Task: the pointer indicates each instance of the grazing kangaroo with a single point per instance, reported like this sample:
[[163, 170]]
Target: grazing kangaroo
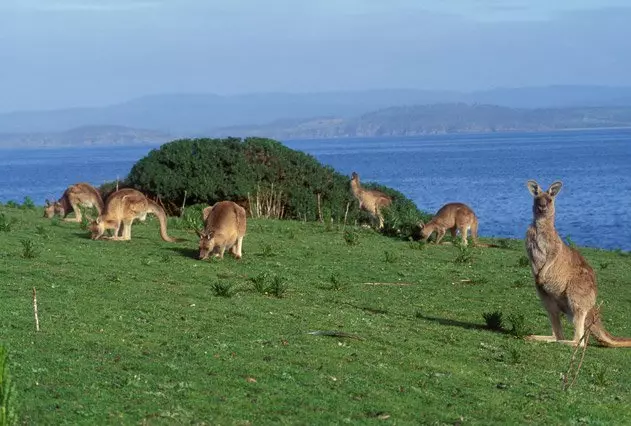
[[122, 207], [224, 228], [564, 280], [79, 194], [370, 200], [453, 217]]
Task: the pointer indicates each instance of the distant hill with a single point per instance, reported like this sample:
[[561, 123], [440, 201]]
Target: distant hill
[[84, 136], [197, 114], [439, 119]]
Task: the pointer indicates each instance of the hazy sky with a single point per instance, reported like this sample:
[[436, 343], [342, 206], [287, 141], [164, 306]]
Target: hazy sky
[[63, 53]]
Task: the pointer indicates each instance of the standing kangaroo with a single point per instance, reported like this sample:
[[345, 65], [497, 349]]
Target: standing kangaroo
[[122, 207], [79, 194], [370, 200], [224, 228], [564, 280], [455, 217]]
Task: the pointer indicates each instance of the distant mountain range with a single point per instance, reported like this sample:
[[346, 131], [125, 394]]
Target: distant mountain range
[[439, 119], [84, 136], [329, 114]]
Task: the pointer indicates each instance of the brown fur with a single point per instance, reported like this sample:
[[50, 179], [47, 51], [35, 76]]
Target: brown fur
[[564, 280], [453, 217], [370, 200], [224, 228], [79, 194], [121, 209]]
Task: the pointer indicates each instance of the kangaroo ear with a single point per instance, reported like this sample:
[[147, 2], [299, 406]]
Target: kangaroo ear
[[420, 224], [533, 187], [555, 188], [47, 202], [199, 233], [98, 220]]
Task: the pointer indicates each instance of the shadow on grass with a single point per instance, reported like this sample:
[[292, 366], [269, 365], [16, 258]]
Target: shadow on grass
[[83, 234], [186, 252], [461, 324]]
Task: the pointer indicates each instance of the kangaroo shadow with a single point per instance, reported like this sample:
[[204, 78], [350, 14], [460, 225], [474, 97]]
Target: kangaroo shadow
[[86, 235], [186, 252], [461, 324]]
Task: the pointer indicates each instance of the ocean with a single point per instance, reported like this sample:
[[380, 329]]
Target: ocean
[[486, 171]]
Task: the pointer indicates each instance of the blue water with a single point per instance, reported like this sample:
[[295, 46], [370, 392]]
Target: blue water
[[488, 172]]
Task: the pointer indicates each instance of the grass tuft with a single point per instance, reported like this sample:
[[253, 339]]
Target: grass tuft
[[351, 237], [493, 320], [390, 257], [29, 249], [523, 262], [223, 289], [278, 287]]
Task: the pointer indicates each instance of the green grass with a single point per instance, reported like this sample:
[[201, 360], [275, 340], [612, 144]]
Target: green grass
[[141, 332]]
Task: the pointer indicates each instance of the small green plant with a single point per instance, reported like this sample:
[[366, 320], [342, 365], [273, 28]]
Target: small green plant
[[165, 258], [514, 356], [278, 287], [223, 289], [493, 320], [465, 252], [523, 262], [6, 224], [604, 265], [267, 251], [517, 325], [390, 257], [55, 221], [115, 278], [42, 232], [479, 280], [600, 376], [260, 282], [336, 284], [418, 245], [504, 243], [12, 204], [28, 203], [7, 403], [29, 249], [351, 237]]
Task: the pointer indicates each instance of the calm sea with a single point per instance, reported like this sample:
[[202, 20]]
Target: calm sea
[[488, 172]]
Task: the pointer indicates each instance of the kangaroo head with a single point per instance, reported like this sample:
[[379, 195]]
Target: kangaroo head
[[206, 245], [53, 208], [49, 209], [355, 177], [97, 228], [425, 230], [543, 201]]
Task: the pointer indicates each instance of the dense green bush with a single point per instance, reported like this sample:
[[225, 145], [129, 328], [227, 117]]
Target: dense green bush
[[265, 176]]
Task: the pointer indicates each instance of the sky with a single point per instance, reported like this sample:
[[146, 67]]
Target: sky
[[71, 53]]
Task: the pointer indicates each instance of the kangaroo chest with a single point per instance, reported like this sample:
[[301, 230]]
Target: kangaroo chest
[[541, 248]]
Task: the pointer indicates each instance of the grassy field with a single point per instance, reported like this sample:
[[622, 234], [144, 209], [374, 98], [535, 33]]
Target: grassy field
[[141, 332]]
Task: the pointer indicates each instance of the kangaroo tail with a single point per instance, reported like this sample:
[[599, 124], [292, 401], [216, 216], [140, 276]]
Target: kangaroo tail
[[474, 229], [162, 217], [602, 335]]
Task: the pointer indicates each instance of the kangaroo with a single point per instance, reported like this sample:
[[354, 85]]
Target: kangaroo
[[224, 228], [370, 200], [564, 280], [79, 194], [122, 207], [453, 217]]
